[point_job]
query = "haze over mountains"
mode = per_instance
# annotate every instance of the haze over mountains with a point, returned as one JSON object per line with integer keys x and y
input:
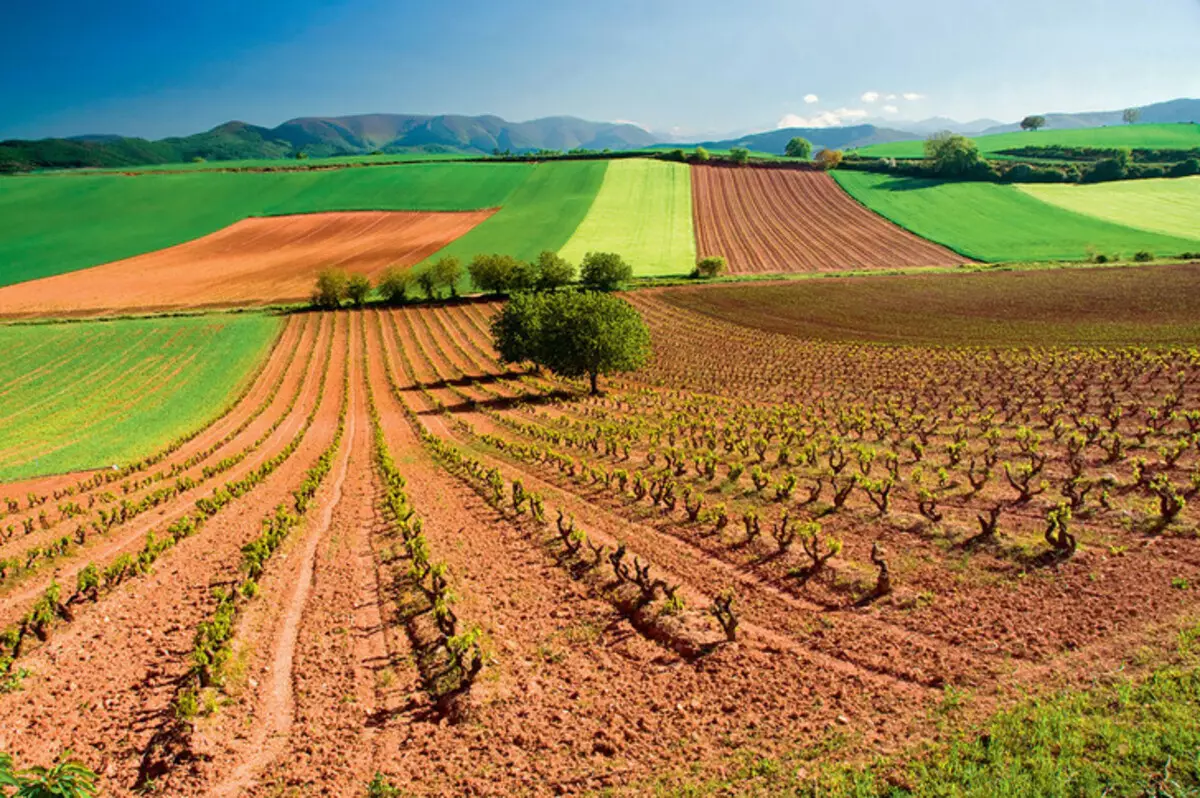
{"x": 482, "y": 135}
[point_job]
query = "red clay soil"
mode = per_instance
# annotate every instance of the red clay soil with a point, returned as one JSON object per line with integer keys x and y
{"x": 254, "y": 261}
{"x": 784, "y": 220}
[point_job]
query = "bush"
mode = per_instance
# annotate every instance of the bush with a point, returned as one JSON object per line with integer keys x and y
{"x": 1186, "y": 168}
{"x": 1143, "y": 256}
{"x": 829, "y": 159}
{"x": 739, "y": 155}
{"x": 710, "y": 267}
{"x": 358, "y": 288}
{"x": 554, "y": 271}
{"x": 331, "y": 288}
{"x": 605, "y": 271}
{"x": 394, "y": 283}
{"x": 700, "y": 155}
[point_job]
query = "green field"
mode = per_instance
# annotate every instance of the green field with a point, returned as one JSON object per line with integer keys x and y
{"x": 1095, "y": 306}
{"x": 276, "y": 163}
{"x": 52, "y": 224}
{"x": 1166, "y": 205}
{"x": 540, "y": 215}
{"x": 1168, "y": 137}
{"x": 91, "y": 394}
{"x": 643, "y": 212}
{"x": 992, "y": 222}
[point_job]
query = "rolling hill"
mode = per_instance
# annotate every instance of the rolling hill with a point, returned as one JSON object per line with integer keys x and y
{"x": 838, "y": 138}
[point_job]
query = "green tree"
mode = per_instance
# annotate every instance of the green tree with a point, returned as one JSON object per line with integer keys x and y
{"x": 446, "y": 271}
{"x": 394, "y": 283}
{"x": 572, "y": 334}
{"x": 951, "y": 154}
{"x": 710, "y": 267}
{"x": 358, "y": 288}
{"x": 739, "y": 155}
{"x": 604, "y": 271}
{"x": 554, "y": 271}
{"x": 68, "y": 778}
{"x": 331, "y": 288}
{"x": 799, "y": 147}
{"x": 1131, "y": 116}
{"x": 829, "y": 159}
{"x": 701, "y": 155}
{"x": 492, "y": 273}
{"x": 1033, "y": 122}
{"x": 427, "y": 281}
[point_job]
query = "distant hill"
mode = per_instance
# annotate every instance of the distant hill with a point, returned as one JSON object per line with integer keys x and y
{"x": 836, "y": 138}
{"x": 1182, "y": 110}
{"x": 326, "y": 136}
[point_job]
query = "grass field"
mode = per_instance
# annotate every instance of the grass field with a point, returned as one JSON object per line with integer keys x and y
{"x": 55, "y": 224}
{"x": 1172, "y": 137}
{"x": 541, "y": 214}
{"x": 1167, "y": 205}
{"x": 993, "y": 222}
{"x": 278, "y": 163}
{"x": 1058, "y": 307}
{"x": 132, "y": 385}
{"x": 643, "y": 212}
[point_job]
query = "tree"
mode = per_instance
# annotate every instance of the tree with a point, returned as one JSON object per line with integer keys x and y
{"x": 572, "y": 334}
{"x": 331, "y": 288}
{"x": 446, "y": 272}
{"x": 394, "y": 283}
{"x": 1033, "y": 122}
{"x": 604, "y": 271}
{"x": 357, "y": 289}
{"x": 427, "y": 280}
{"x": 951, "y": 154}
{"x": 701, "y": 155}
{"x": 799, "y": 147}
{"x": 829, "y": 159}
{"x": 1131, "y": 115}
{"x": 710, "y": 267}
{"x": 739, "y": 155}
{"x": 554, "y": 271}
{"x": 492, "y": 273}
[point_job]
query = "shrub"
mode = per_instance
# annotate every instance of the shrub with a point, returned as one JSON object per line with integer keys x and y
{"x": 604, "y": 271}
{"x": 1143, "y": 256}
{"x": 358, "y": 288}
{"x": 710, "y": 267}
{"x": 1185, "y": 168}
{"x": 829, "y": 159}
{"x": 394, "y": 283}
{"x": 331, "y": 288}
{"x": 739, "y": 155}
{"x": 701, "y": 155}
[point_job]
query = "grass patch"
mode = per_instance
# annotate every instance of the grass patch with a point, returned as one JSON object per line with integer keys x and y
{"x": 1156, "y": 304}
{"x": 87, "y": 395}
{"x": 57, "y": 224}
{"x": 993, "y": 222}
{"x": 1167, "y": 205}
{"x": 1165, "y": 136}
{"x": 643, "y": 212}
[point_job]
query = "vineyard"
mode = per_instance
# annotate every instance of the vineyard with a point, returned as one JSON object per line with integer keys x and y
{"x": 395, "y": 561}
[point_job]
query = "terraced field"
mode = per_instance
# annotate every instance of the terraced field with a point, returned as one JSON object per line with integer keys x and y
{"x": 79, "y": 397}
{"x": 644, "y": 212}
{"x": 991, "y": 222}
{"x": 1168, "y": 136}
{"x": 783, "y": 220}
{"x": 430, "y": 561}
{"x": 1168, "y": 205}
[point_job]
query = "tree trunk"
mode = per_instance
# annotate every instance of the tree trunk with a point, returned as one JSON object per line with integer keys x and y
{"x": 595, "y": 375}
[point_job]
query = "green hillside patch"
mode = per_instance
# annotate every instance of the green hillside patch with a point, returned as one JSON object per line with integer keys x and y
{"x": 92, "y": 394}
{"x": 991, "y": 222}
{"x": 643, "y": 212}
{"x": 57, "y": 224}
{"x": 1167, "y": 205}
{"x": 1150, "y": 137}
{"x": 540, "y": 215}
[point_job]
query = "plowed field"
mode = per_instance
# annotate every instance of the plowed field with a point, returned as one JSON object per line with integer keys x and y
{"x": 253, "y": 261}
{"x": 399, "y": 458}
{"x": 783, "y": 220}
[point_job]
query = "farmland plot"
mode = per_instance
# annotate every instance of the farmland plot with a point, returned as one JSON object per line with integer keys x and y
{"x": 1167, "y": 205}
{"x": 490, "y": 582}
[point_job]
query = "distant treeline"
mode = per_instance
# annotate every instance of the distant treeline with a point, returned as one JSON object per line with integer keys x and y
{"x": 1137, "y": 155}
{"x": 1118, "y": 166}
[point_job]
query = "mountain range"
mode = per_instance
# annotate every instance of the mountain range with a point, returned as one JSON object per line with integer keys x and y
{"x": 481, "y": 135}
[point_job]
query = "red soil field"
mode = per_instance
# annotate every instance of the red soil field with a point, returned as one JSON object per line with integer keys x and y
{"x": 786, "y": 220}
{"x": 586, "y": 685}
{"x": 254, "y": 261}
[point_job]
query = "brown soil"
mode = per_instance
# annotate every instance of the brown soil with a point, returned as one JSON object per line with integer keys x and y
{"x": 254, "y": 261}
{"x": 782, "y": 220}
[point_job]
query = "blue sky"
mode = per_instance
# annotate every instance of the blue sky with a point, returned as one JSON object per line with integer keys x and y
{"x": 172, "y": 68}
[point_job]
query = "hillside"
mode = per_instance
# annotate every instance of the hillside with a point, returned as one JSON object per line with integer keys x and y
{"x": 1181, "y": 110}
{"x": 1147, "y": 136}
{"x": 838, "y": 138}
{"x": 325, "y": 136}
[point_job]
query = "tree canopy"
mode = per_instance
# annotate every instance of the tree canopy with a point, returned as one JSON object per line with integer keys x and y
{"x": 799, "y": 147}
{"x": 572, "y": 334}
{"x": 952, "y": 155}
{"x": 604, "y": 271}
{"x": 1131, "y": 115}
{"x": 1033, "y": 122}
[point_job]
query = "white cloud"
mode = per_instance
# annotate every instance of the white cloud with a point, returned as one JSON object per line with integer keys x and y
{"x": 811, "y": 98}
{"x": 891, "y": 109}
{"x": 912, "y": 96}
{"x": 824, "y": 119}
{"x": 870, "y": 96}
{"x": 890, "y": 97}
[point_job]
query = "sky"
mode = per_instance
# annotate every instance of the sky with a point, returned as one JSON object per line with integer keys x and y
{"x": 699, "y": 67}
